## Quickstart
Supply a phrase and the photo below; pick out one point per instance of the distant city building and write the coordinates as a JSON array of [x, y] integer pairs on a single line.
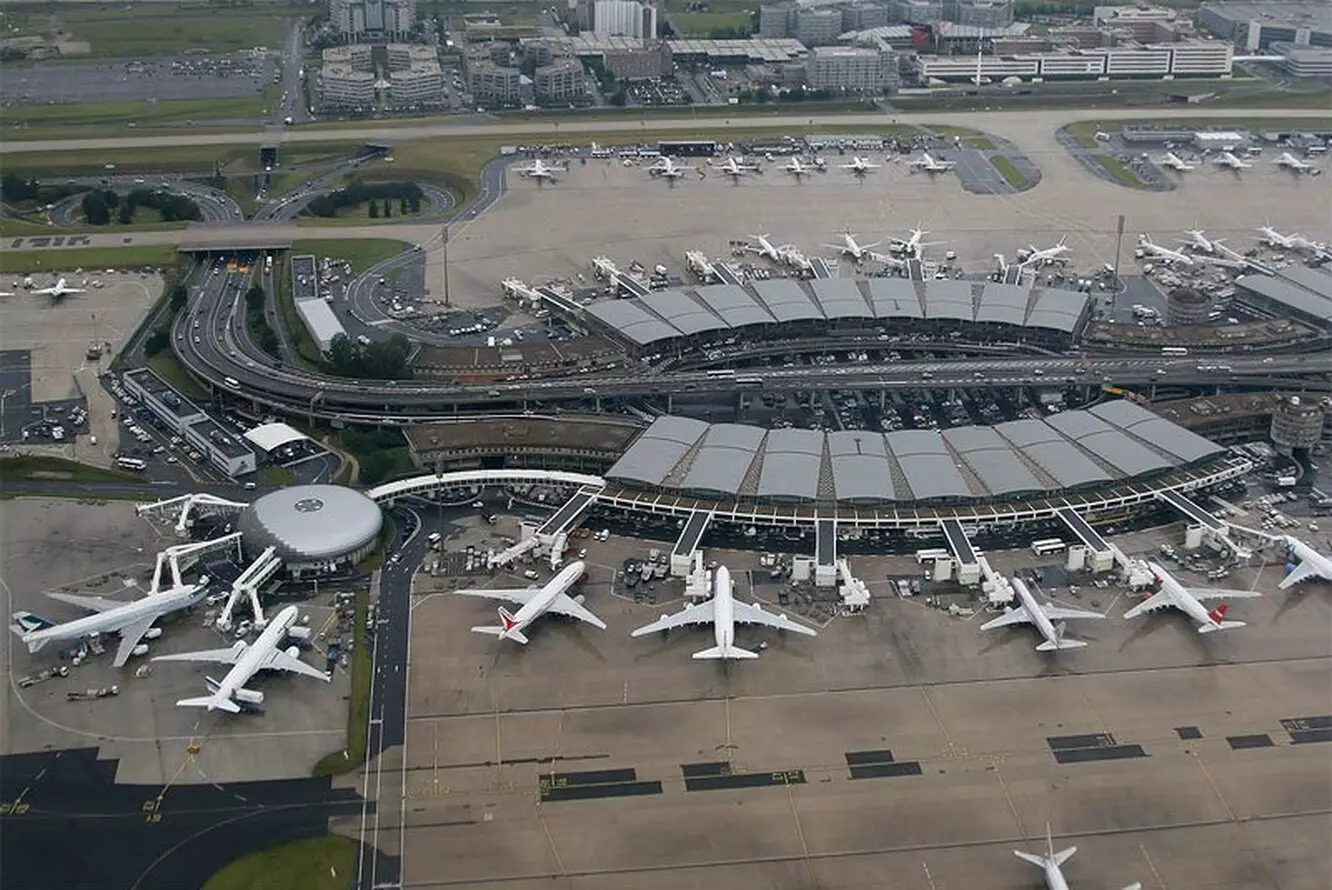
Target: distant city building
[[342, 87], [624, 18], [1257, 25], [777, 19], [851, 69], [358, 20], [491, 84], [1303, 61], [985, 13], [755, 51], [563, 80], [355, 56], [865, 15], [1192, 59], [920, 12], [818, 26]]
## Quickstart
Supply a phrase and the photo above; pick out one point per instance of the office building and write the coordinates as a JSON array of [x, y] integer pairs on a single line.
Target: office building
[[624, 18], [1255, 26], [402, 56], [357, 20], [1304, 61], [421, 85], [491, 84], [920, 12], [357, 56], [863, 16], [1182, 59], [777, 20], [818, 26], [985, 13], [563, 80], [345, 88], [847, 69]]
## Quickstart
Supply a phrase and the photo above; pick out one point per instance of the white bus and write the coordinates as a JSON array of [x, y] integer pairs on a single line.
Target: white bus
[[924, 556], [130, 463], [1174, 350], [724, 372], [231, 382], [1046, 546]]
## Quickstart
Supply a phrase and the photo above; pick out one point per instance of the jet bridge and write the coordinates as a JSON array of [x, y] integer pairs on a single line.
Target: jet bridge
[[189, 506], [1204, 526], [567, 517], [1012, 274], [686, 546], [968, 564], [727, 275], [825, 553], [701, 266], [915, 270], [182, 557], [248, 584], [1102, 556], [821, 268]]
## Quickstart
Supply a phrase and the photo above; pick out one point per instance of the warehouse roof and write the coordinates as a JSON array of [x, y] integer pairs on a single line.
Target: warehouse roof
[[1111, 442]]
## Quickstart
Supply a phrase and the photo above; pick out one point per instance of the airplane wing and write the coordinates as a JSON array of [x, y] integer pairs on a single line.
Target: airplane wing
[[749, 613], [91, 603], [1203, 594], [567, 605], [1020, 615], [1155, 601], [280, 660], [1063, 613], [703, 613], [130, 635], [212, 656], [1302, 571], [518, 595]]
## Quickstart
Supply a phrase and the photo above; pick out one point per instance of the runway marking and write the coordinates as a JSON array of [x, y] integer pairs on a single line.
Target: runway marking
[[1237, 821], [1152, 866], [995, 764], [950, 748], [800, 834], [554, 851]]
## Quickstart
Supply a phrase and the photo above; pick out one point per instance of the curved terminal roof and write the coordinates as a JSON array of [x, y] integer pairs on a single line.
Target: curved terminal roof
[[309, 523], [670, 314], [1024, 458]]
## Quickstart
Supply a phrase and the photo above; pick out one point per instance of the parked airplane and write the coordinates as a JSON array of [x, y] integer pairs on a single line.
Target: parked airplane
[[533, 603], [860, 166], [540, 171], [667, 168], [927, 163], [723, 612], [1156, 251], [764, 247], [1228, 159], [1302, 243], [1050, 862], [58, 290], [1304, 562], [1175, 162], [1275, 239], [133, 620], [850, 247], [732, 167], [1169, 593], [1198, 240], [1043, 616], [246, 661], [1294, 164], [912, 246], [1038, 257], [797, 168]]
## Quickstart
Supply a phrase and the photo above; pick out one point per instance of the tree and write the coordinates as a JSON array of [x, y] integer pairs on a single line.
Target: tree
[[254, 298], [374, 210], [375, 467], [126, 214], [158, 340], [402, 207], [619, 98], [178, 297], [388, 208]]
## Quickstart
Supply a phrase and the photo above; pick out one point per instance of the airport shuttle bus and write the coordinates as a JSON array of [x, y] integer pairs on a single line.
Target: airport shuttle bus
[[131, 463], [1047, 546], [1174, 350]]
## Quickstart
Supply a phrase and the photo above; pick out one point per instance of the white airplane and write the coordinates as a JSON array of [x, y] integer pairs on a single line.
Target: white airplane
[[1228, 159], [540, 171], [1275, 239], [1304, 562], [1198, 240], [667, 169], [912, 246], [1043, 616], [765, 248], [1039, 257], [58, 290], [1302, 243], [724, 612], [797, 168], [246, 661], [132, 620], [534, 602], [1175, 162], [1293, 164], [927, 163], [1169, 593], [850, 247], [1050, 863], [1152, 249], [860, 166], [732, 167]]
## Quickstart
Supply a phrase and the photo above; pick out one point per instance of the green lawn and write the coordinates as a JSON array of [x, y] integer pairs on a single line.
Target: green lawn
[[37, 121], [57, 469], [358, 712], [160, 29], [361, 254], [701, 24], [322, 863], [169, 368], [197, 159], [980, 143], [948, 131], [1121, 174], [1010, 172], [1085, 131], [12, 261]]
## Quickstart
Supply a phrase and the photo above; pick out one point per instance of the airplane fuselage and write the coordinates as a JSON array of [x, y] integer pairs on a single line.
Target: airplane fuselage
[[723, 624], [1038, 616], [114, 619], [255, 655], [1317, 562], [537, 605], [1180, 598], [1054, 878]]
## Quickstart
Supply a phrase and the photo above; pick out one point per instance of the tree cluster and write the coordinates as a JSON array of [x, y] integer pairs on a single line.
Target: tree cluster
[[16, 190], [99, 204], [386, 360], [762, 96], [407, 194]]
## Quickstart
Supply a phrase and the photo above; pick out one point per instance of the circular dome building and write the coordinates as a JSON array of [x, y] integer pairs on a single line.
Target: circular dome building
[[1187, 306], [314, 528]]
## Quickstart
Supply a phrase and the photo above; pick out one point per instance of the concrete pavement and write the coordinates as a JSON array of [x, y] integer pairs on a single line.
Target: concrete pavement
[[998, 122]]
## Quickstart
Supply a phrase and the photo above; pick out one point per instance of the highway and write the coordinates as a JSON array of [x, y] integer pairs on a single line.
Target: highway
[[555, 127], [217, 207]]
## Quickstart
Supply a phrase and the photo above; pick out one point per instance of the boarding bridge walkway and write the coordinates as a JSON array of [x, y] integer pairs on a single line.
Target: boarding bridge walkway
[[567, 517], [825, 553], [1012, 274], [1103, 554], [1195, 514], [915, 270], [820, 268], [687, 545], [631, 288], [968, 564], [727, 275], [248, 584]]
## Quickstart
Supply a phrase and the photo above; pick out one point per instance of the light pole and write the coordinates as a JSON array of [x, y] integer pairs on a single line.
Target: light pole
[[446, 265]]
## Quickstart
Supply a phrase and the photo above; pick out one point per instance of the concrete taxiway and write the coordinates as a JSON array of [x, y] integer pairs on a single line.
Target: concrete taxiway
[[901, 748]]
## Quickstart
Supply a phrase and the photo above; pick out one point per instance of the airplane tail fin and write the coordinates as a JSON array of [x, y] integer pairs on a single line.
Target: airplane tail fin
[[1056, 645], [1217, 621], [1038, 861], [25, 623], [720, 653], [1051, 859], [211, 702], [1136, 885]]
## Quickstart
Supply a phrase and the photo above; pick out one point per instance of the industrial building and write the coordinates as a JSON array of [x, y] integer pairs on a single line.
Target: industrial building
[[846, 69], [314, 529], [1021, 461], [1295, 292], [985, 13], [755, 51], [1255, 26], [628, 58], [187, 420]]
